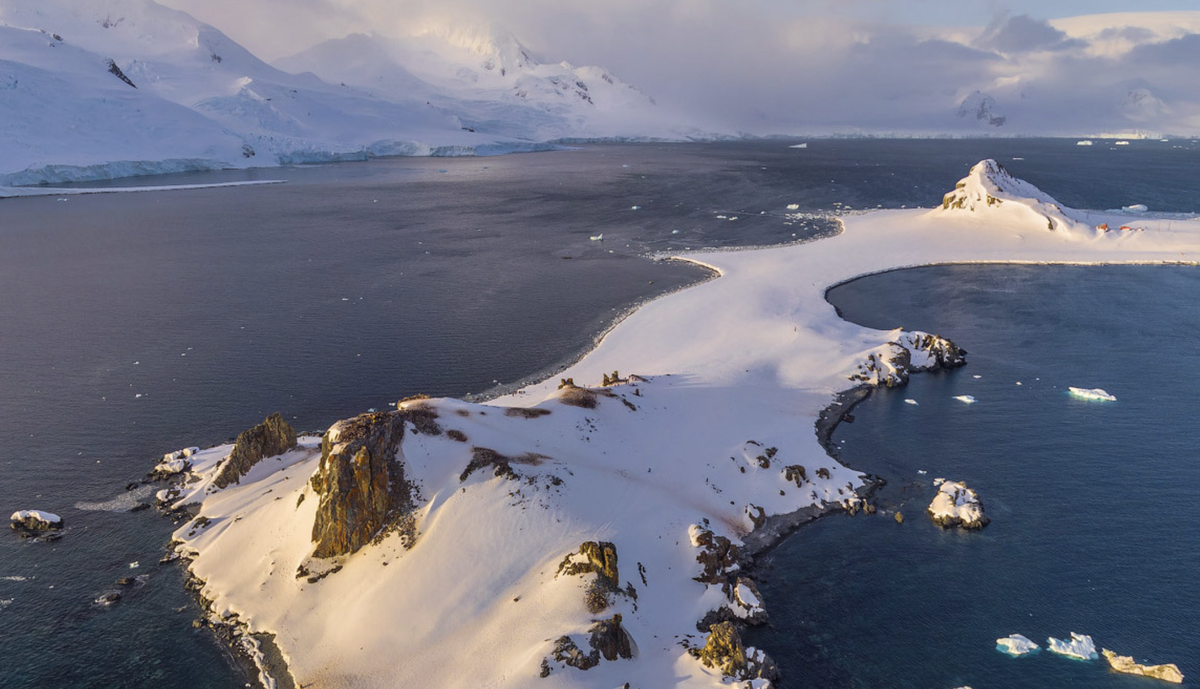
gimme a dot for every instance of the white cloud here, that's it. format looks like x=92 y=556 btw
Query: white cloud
x=776 y=66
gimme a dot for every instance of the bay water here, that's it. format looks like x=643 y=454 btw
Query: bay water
x=136 y=324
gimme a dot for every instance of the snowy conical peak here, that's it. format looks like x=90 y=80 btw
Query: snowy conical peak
x=989 y=189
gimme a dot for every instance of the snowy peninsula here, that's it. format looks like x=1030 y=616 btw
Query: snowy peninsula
x=595 y=529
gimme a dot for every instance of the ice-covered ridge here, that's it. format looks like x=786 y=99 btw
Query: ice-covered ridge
x=1016 y=645
x=1080 y=647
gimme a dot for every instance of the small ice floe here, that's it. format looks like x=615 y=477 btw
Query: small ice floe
x=909 y=400
x=793 y=206
x=1080 y=646
x=1085 y=142
x=1135 y=208
x=635 y=208
x=803 y=145
x=135 y=564
x=922 y=472
x=15 y=577
x=976 y=376
x=5 y=602
x=674 y=231
x=1018 y=382
x=597 y=238
x=1096 y=394
x=1016 y=645
x=35 y=520
x=938 y=481
x=965 y=399
x=1122 y=142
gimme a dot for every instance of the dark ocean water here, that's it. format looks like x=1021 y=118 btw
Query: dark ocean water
x=1094 y=527
x=136 y=324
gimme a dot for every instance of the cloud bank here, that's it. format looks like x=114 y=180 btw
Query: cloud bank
x=770 y=66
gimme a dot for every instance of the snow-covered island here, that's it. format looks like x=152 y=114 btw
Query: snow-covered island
x=574 y=533
x=957 y=505
x=35 y=520
x=1168 y=672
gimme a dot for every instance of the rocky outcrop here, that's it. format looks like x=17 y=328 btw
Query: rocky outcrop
x=723 y=651
x=360 y=482
x=272 y=437
x=957 y=505
x=608 y=640
x=599 y=558
x=35 y=520
x=1126 y=664
x=718 y=555
x=912 y=352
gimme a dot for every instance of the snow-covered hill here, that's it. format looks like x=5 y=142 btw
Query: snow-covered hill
x=490 y=81
x=110 y=88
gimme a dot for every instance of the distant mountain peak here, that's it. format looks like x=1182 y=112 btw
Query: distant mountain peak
x=498 y=49
x=982 y=108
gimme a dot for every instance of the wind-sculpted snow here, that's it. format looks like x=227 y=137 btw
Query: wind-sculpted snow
x=688 y=430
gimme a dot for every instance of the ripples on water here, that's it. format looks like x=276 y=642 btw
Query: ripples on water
x=138 y=324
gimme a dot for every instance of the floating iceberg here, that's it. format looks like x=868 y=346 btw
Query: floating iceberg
x=1097 y=394
x=1085 y=142
x=1136 y=208
x=1122 y=142
x=1080 y=646
x=910 y=400
x=804 y=145
x=965 y=399
x=1016 y=645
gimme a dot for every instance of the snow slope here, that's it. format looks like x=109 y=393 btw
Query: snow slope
x=700 y=444
x=112 y=88
x=491 y=82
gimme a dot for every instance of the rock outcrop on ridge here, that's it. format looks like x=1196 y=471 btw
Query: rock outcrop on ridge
x=272 y=437
x=989 y=189
x=360 y=482
x=910 y=352
x=723 y=650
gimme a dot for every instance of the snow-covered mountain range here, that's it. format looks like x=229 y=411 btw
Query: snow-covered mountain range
x=111 y=88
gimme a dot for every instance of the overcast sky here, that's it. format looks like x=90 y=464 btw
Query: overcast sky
x=763 y=65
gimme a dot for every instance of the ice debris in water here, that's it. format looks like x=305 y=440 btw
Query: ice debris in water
x=597 y=238
x=793 y=206
x=1096 y=394
x=635 y=208
x=1016 y=645
x=1080 y=646
x=910 y=400
x=965 y=399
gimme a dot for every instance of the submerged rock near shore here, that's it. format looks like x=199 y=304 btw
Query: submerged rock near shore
x=35 y=520
x=1168 y=672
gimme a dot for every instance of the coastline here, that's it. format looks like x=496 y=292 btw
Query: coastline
x=799 y=356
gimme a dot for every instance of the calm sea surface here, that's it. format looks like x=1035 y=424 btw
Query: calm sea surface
x=135 y=324
x=1094 y=527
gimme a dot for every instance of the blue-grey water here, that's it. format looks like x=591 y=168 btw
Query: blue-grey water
x=135 y=324
x=1094 y=527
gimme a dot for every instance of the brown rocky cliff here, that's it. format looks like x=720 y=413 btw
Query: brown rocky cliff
x=360 y=482
x=272 y=437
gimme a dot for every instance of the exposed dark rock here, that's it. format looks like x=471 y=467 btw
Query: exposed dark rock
x=610 y=639
x=567 y=652
x=526 y=412
x=34 y=521
x=116 y=71
x=795 y=473
x=502 y=465
x=272 y=437
x=360 y=482
x=723 y=651
x=601 y=559
x=717 y=555
x=456 y=435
